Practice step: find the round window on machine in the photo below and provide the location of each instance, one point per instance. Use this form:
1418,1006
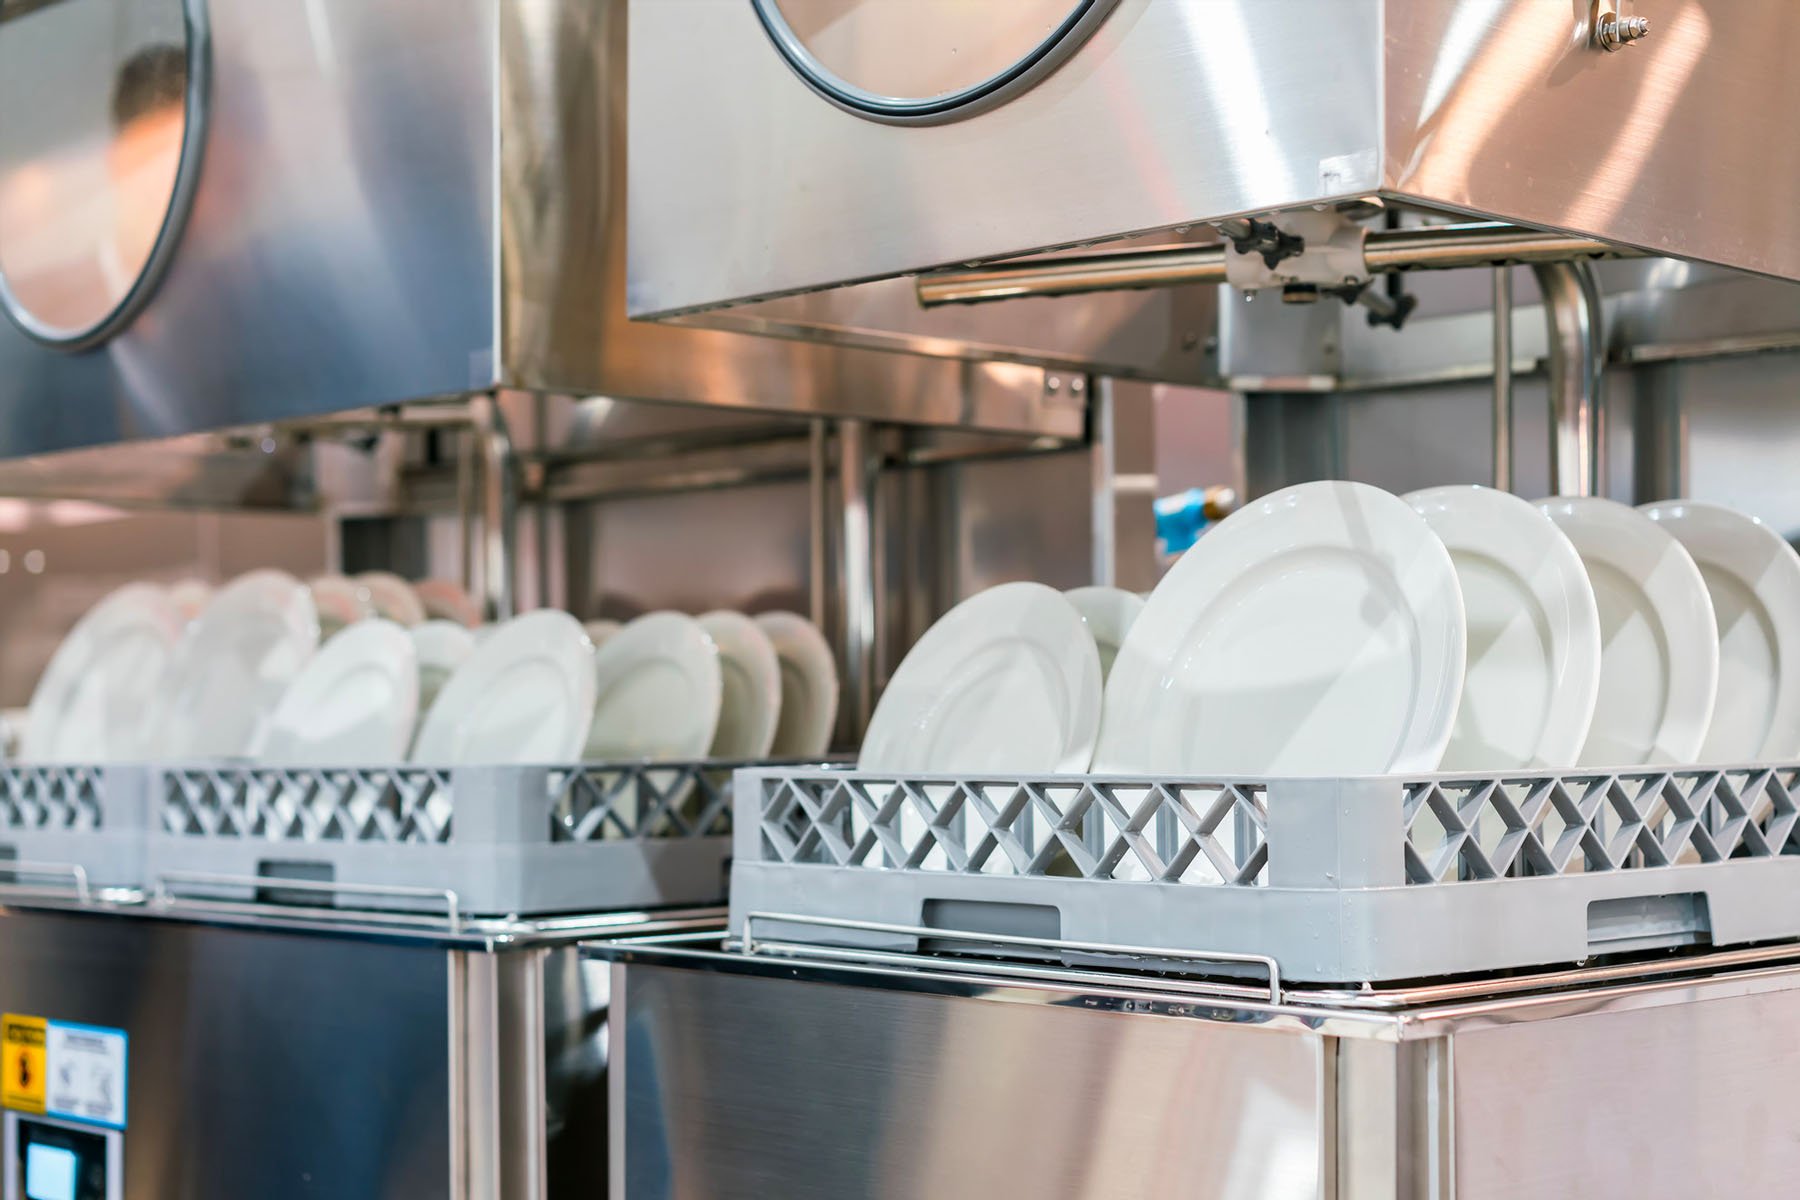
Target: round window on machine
926,61
102,106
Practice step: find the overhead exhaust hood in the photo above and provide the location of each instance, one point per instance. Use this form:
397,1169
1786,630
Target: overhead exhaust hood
787,146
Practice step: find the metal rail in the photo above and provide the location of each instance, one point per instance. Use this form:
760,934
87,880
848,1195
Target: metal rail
164,895
1423,248
752,945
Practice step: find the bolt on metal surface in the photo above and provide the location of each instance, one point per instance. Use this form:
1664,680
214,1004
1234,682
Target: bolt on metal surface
1613,32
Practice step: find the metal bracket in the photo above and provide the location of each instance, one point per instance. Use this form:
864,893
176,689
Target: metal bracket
752,945
1247,235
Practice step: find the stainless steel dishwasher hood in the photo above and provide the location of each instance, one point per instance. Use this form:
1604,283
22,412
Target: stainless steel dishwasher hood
807,143
378,203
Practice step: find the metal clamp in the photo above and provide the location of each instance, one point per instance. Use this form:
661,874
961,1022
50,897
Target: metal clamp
164,895
752,945
76,874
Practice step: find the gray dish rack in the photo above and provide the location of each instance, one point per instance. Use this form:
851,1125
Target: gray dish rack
1332,881
470,841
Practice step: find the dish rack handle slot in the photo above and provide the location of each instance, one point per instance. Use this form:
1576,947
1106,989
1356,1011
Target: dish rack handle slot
1629,923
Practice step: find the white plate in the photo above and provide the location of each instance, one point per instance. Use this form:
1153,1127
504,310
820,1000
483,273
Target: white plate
1316,631
393,598
809,685
1534,632
525,695
447,601
660,688
232,666
1108,613
1659,666
340,601
91,703
440,647
600,631
1753,577
353,704
750,682
1008,680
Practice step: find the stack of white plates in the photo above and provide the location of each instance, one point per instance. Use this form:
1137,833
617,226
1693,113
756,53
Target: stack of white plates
251,676
1335,629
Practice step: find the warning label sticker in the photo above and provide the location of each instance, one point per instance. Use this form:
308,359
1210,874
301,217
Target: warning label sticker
59,1069
23,1066
86,1073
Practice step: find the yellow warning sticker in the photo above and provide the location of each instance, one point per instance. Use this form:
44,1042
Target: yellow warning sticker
23,1066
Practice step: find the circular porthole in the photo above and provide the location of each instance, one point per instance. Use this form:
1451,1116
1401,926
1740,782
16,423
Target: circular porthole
925,61
101,128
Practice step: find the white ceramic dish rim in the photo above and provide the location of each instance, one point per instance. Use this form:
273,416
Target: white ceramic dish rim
1415,559
1518,535
1632,544
1761,559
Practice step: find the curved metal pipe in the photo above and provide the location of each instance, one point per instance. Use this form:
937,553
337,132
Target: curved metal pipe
1572,315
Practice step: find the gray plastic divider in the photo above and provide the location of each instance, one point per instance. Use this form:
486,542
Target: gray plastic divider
74,816
523,840
506,840
1338,880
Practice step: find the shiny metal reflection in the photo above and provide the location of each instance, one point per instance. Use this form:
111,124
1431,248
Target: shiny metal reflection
95,182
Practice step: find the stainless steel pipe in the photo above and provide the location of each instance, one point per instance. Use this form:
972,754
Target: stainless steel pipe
1425,248
1572,314
499,504
856,576
1503,379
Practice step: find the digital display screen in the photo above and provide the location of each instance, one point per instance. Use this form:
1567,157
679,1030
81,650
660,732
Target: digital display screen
50,1172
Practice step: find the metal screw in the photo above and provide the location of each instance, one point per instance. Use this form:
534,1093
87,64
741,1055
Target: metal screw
1613,32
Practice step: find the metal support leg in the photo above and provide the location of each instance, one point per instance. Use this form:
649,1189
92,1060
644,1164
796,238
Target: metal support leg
818,533
1503,380
498,504
856,576
1572,312
1102,489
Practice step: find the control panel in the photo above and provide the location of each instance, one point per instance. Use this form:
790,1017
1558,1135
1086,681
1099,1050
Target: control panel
51,1159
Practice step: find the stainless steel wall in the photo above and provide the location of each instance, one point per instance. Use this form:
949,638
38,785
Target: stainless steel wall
57,559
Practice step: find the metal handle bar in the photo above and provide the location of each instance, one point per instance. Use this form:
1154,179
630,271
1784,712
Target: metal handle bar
752,945
76,874
164,893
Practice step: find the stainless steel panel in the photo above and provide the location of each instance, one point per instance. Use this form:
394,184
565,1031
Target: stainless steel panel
1156,334
1178,111
261,1064
1675,145
745,183
1684,1100
743,1086
341,247
562,189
